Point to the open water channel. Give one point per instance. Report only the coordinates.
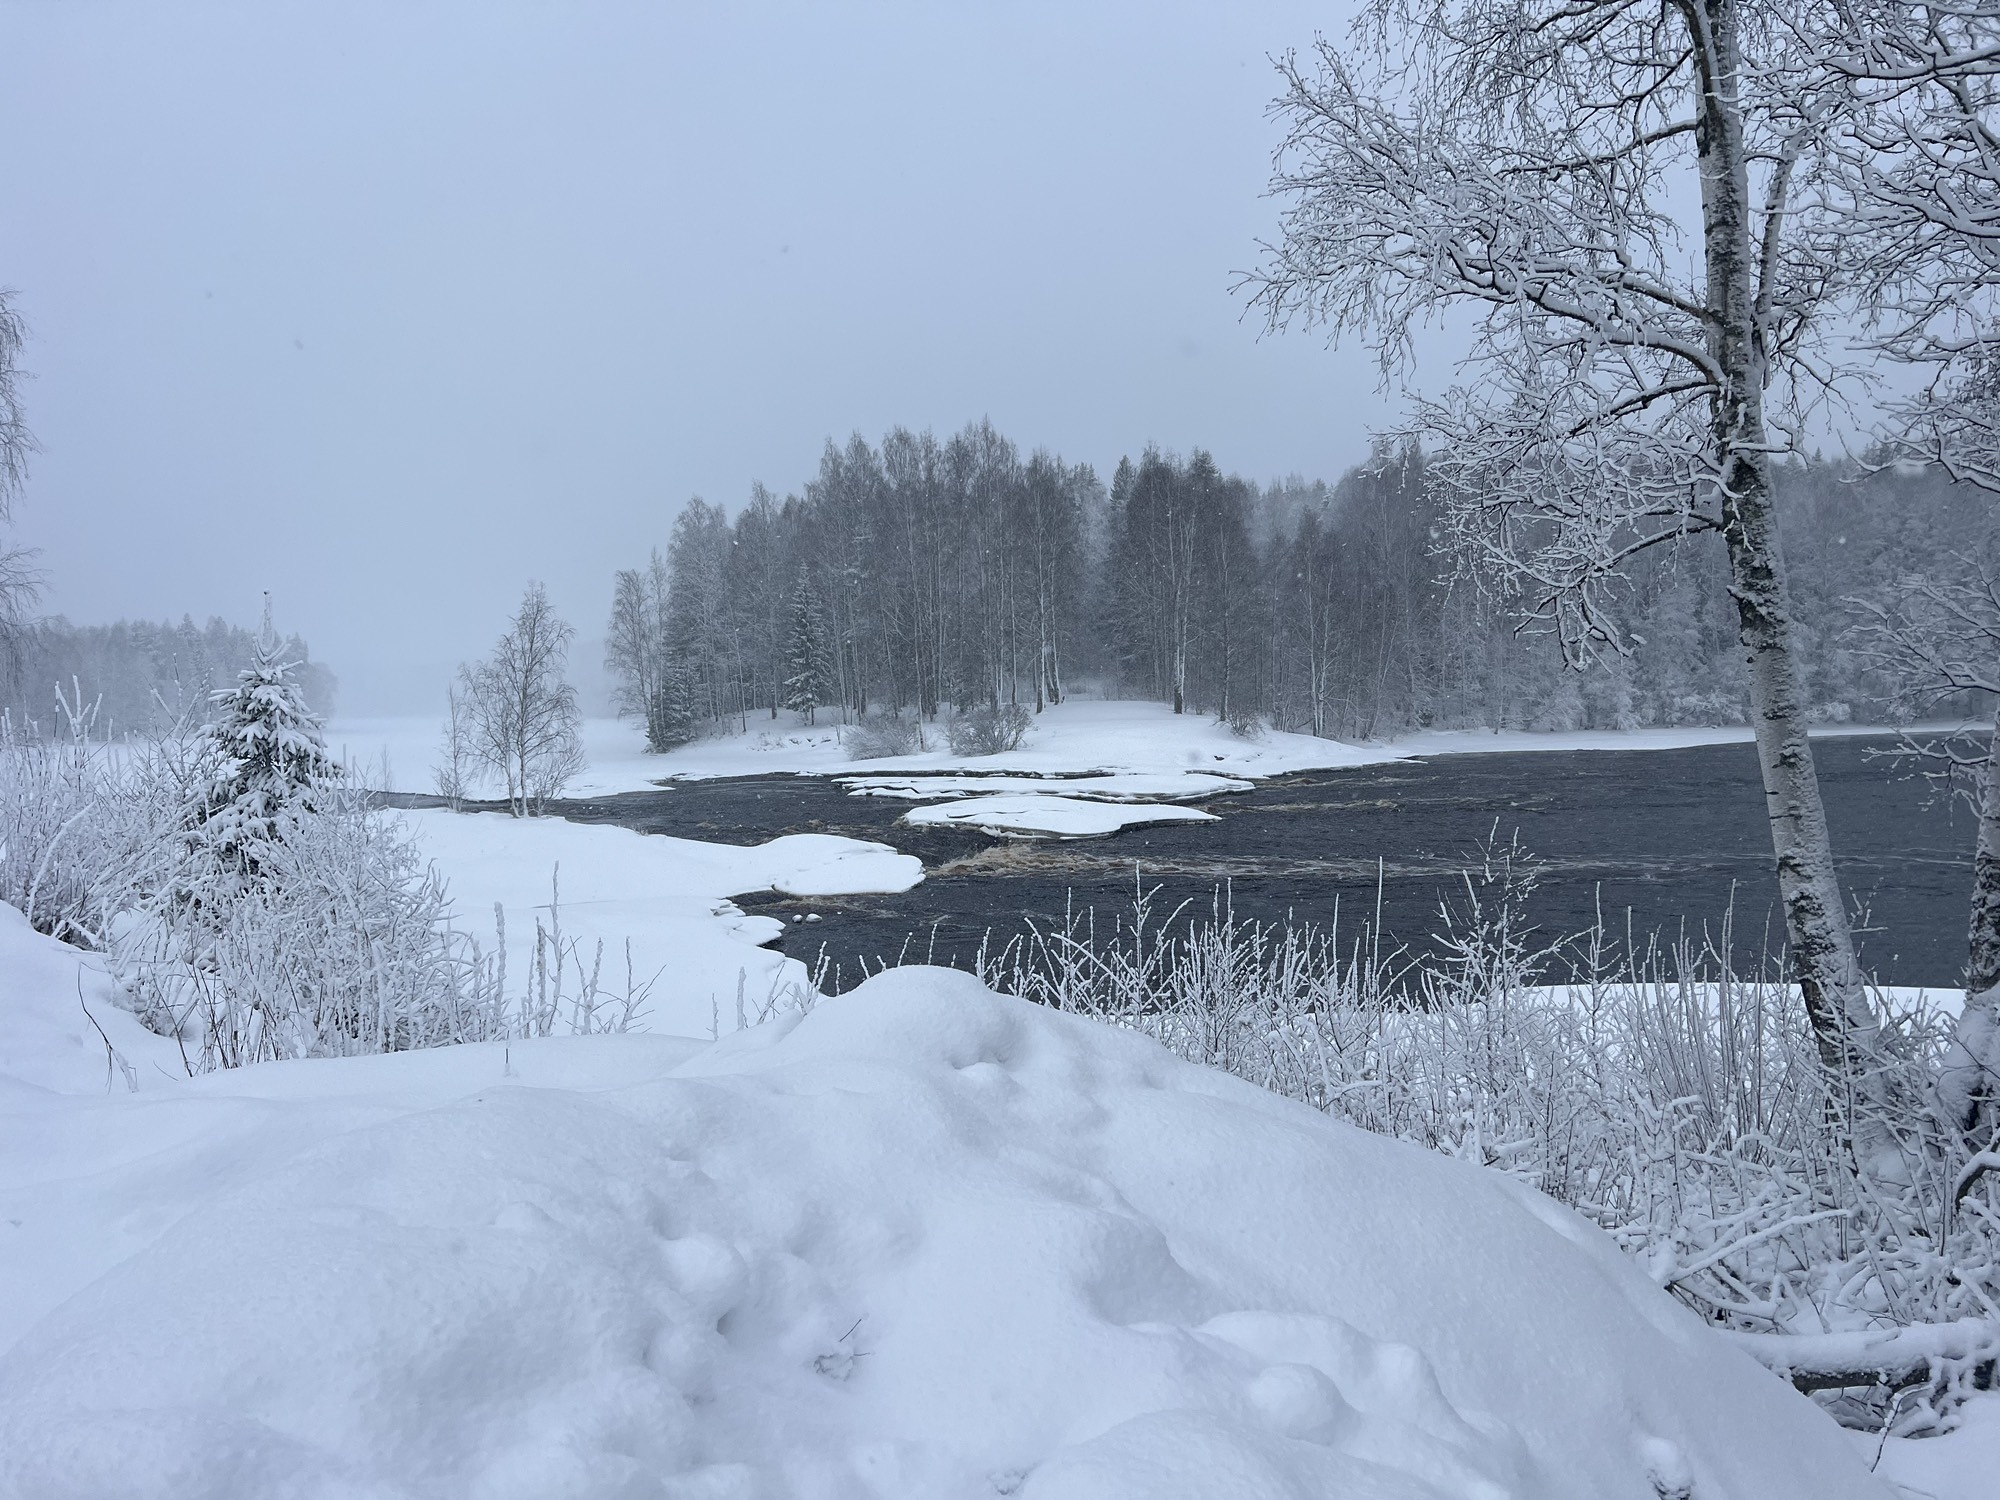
(1664, 839)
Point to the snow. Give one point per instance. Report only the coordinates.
(1027, 815)
(924, 1241)
(398, 754)
(1082, 735)
(1958, 1466)
(668, 897)
(61, 1029)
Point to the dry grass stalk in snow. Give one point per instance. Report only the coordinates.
(1682, 1108)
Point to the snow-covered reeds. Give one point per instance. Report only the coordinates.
(77, 817)
(1682, 1107)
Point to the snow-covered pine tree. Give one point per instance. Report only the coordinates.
(264, 758)
(808, 662)
(671, 720)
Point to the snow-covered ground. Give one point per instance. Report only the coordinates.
(669, 898)
(1139, 754)
(400, 754)
(1080, 736)
(924, 1241)
(1961, 1465)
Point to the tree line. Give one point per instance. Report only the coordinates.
(915, 574)
(137, 676)
(929, 576)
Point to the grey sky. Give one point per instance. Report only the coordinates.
(390, 308)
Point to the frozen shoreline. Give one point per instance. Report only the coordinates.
(1119, 738)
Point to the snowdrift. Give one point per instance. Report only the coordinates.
(924, 1241)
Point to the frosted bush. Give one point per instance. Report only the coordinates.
(881, 734)
(81, 821)
(988, 730)
(253, 905)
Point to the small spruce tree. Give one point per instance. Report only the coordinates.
(264, 759)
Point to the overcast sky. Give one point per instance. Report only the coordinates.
(391, 308)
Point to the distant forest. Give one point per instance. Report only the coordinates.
(136, 675)
(930, 575)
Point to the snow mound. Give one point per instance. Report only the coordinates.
(1029, 815)
(61, 1028)
(925, 1241)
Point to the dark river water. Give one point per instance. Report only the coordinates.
(1664, 839)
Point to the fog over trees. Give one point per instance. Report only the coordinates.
(138, 675)
(933, 574)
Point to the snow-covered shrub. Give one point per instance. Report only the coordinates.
(280, 917)
(344, 943)
(251, 902)
(81, 820)
(988, 730)
(1680, 1107)
(49, 792)
(881, 734)
(1244, 722)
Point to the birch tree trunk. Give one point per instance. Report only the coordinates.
(1815, 918)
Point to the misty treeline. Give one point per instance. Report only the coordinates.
(138, 675)
(926, 575)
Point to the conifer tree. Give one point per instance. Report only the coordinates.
(671, 719)
(264, 759)
(808, 664)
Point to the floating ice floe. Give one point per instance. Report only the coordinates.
(1026, 815)
(1103, 786)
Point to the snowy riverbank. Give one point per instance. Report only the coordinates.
(923, 1241)
(1088, 767)
(1083, 736)
(693, 952)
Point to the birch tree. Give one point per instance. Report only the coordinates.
(637, 654)
(524, 712)
(1627, 384)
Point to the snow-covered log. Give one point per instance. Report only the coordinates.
(1893, 1357)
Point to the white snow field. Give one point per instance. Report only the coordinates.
(1082, 735)
(668, 897)
(923, 1241)
(1139, 755)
